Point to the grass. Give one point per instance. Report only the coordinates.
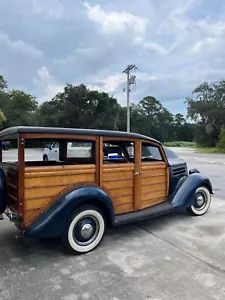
(210, 150)
(180, 144)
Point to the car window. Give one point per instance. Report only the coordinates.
(55, 145)
(170, 153)
(118, 152)
(150, 152)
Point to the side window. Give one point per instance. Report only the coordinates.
(150, 153)
(58, 152)
(118, 151)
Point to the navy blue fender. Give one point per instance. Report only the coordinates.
(52, 223)
(184, 194)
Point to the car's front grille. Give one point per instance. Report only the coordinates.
(179, 171)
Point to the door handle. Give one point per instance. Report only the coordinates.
(137, 172)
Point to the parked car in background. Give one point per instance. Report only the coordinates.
(51, 152)
(92, 179)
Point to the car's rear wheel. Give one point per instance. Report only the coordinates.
(202, 202)
(84, 230)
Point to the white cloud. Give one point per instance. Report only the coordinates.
(19, 46)
(211, 39)
(122, 23)
(47, 84)
(107, 84)
(114, 22)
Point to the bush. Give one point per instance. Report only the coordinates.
(221, 143)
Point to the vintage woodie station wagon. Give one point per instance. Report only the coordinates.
(110, 178)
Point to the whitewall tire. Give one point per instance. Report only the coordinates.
(85, 230)
(202, 202)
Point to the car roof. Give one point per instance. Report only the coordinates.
(11, 132)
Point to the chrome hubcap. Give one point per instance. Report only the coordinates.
(201, 201)
(87, 231)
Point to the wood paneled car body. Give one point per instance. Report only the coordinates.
(123, 177)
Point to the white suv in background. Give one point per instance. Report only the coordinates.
(74, 150)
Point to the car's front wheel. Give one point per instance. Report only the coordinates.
(84, 230)
(202, 202)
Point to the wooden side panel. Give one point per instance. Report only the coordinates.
(118, 182)
(43, 184)
(11, 175)
(154, 183)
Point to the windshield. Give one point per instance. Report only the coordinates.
(170, 153)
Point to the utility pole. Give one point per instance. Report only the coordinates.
(130, 81)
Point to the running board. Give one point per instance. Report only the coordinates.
(140, 215)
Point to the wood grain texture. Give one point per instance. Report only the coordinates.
(154, 183)
(21, 167)
(137, 175)
(42, 185)
(118, 182)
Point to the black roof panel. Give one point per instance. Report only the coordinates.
(11, 132)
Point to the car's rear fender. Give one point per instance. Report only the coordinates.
(184, 194)
(52, 222)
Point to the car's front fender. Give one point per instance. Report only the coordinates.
(184, 194)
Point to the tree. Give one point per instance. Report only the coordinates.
(2, 118)
(156, 119)
(79, 107)
(207, 109)
(3, 83)
(19, 108)
(3, 97)
(221, 143)
(182, 131)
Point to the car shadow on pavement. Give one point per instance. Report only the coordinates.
(17, 246)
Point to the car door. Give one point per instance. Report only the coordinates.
(54, 152)
(117, 175)
(154, 175)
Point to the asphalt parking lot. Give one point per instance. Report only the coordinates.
(171, 257)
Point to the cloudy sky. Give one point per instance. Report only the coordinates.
(176, 45)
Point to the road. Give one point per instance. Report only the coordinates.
(169, 258)
(212, 165)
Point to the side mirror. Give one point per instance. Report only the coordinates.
(192, 171)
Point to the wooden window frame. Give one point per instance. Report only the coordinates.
(22, 137)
